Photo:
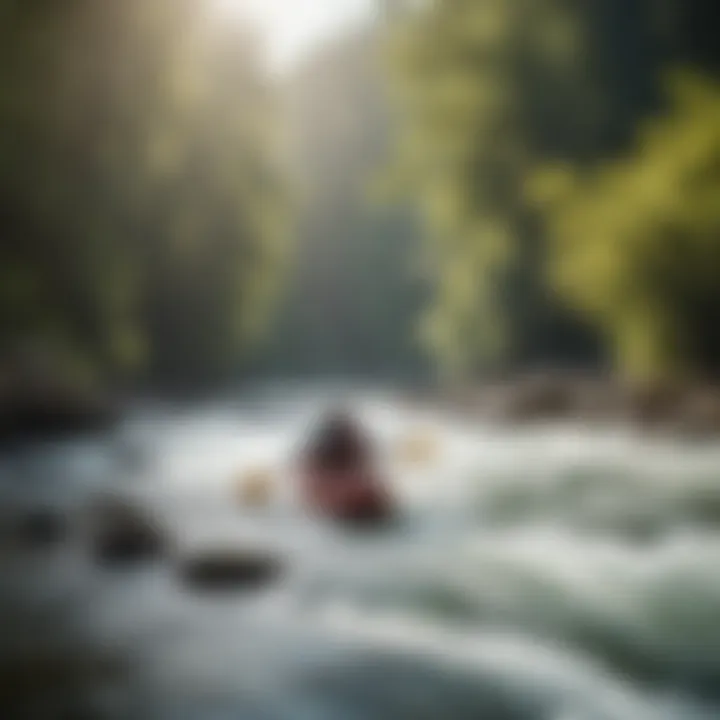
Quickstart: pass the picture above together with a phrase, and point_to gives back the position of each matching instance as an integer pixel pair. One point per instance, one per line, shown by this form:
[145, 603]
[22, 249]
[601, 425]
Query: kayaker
[339, 445]
[339, 474]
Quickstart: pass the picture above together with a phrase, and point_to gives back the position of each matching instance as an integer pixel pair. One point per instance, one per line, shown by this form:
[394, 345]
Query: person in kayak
[339, 473]
[339, 444]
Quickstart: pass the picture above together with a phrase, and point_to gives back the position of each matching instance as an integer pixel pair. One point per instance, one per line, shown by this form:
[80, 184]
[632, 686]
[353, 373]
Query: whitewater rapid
[549, 573]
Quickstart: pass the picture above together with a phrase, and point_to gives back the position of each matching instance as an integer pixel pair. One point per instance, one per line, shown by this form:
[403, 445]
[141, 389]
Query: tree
[637, 241]
[490, 91]
[138, 185]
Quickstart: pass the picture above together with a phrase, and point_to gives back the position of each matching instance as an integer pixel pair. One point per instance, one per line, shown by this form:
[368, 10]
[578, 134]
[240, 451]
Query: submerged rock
[122, 532]
[41, 528]
[230, 569]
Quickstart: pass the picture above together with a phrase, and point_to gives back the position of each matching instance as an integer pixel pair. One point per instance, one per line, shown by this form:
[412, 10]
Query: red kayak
[338, 474]
[350, 495]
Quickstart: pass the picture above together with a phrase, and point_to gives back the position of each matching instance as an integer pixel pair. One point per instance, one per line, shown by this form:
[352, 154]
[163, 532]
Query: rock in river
[39, 528]
[123, 532]
[229, 569]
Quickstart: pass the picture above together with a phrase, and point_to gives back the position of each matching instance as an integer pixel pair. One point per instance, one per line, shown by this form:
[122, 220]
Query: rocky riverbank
[39, 401]
[685, 409]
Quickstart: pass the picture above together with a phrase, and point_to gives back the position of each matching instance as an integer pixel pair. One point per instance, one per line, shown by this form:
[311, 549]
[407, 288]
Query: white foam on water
[561, 569]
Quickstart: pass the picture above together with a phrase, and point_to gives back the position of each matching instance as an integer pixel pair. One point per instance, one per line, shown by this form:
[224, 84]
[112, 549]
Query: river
[547, 573]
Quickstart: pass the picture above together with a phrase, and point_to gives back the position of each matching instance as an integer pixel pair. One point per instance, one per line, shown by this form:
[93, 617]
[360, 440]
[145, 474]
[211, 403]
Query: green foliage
[484, 89]
[637, 241]
[143, 217]
[506, 103]
[137, 185]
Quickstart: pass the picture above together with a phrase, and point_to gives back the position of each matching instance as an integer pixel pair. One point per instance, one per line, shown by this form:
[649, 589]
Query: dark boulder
[229, 569]
[122, 533]
[39, 398]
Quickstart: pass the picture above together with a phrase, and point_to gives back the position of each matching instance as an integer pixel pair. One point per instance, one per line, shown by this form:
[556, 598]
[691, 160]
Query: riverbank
[684, 409]
[39, 401]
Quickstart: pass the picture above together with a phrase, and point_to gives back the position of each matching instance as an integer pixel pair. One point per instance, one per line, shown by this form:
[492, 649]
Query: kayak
[349, 495]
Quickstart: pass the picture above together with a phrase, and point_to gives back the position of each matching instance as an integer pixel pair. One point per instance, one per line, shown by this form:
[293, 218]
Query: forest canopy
[636, 243]
[496, 95]
[175, 215]
[139, 187]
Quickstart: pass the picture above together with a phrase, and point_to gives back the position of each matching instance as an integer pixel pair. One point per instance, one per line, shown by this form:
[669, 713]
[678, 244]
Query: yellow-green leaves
[636, 243]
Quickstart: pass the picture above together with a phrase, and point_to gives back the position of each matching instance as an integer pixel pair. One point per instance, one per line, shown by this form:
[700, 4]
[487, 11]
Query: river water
[553, 573]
